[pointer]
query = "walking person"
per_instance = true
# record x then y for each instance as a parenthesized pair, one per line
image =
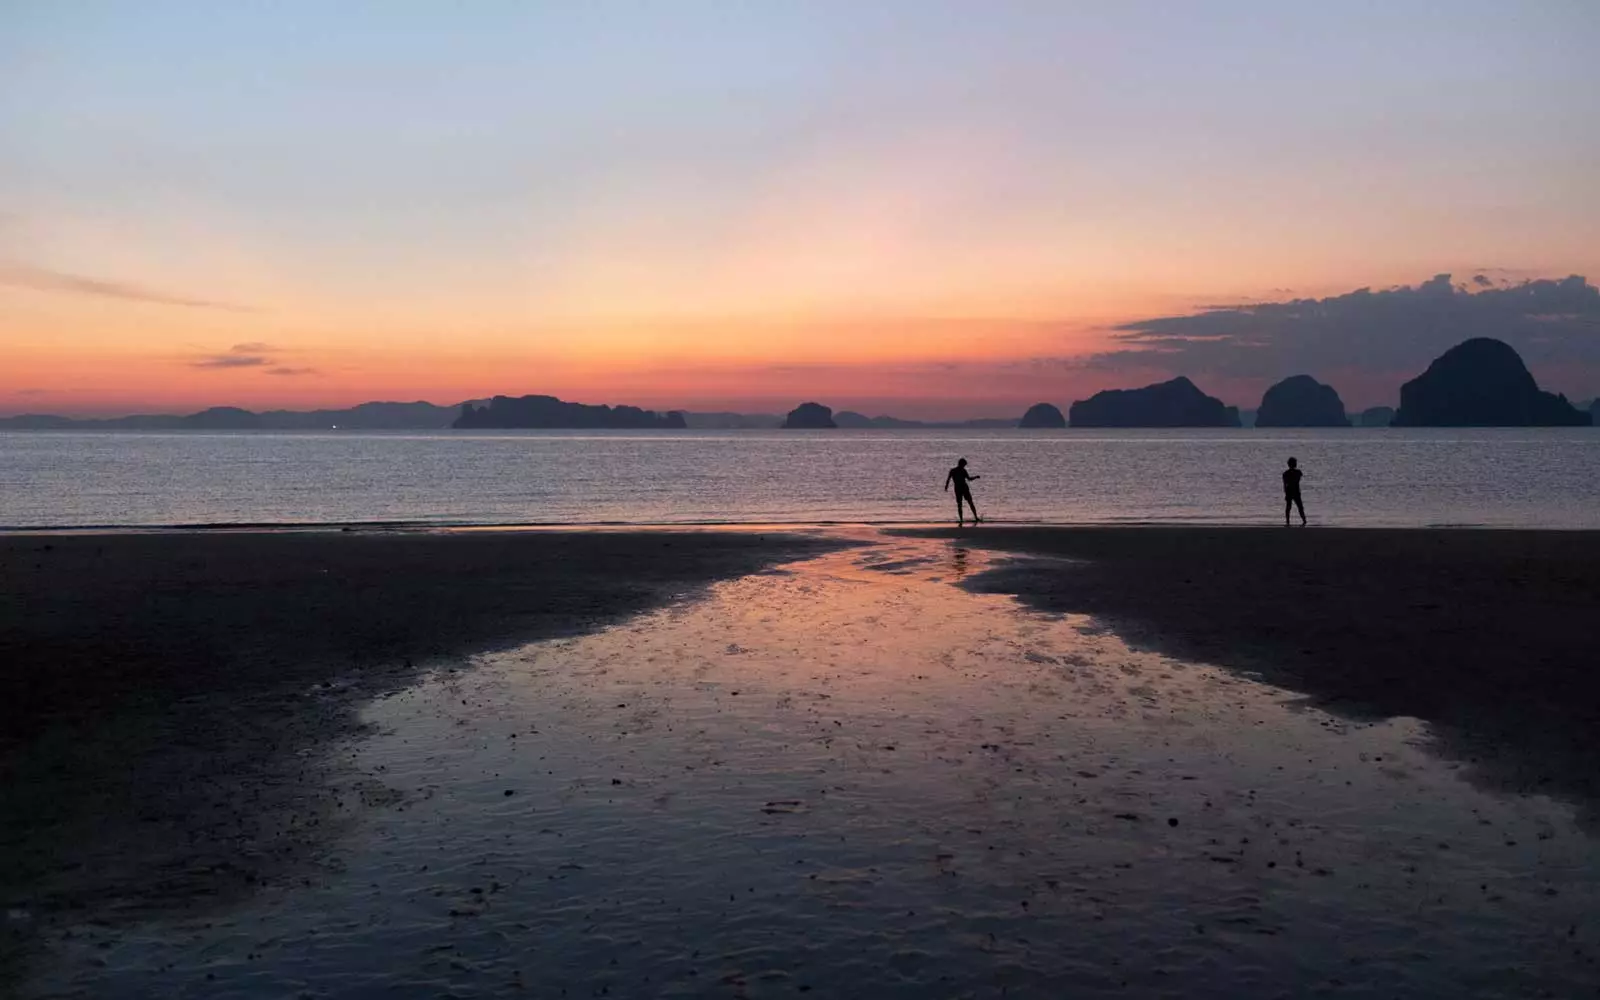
(1291, 493)
(960, 477)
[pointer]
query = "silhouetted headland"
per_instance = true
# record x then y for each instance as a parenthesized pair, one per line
(1043, 415)
(1482, 382)
(550, 413)
(810, 416)
(1175, 403)
(1301, 401)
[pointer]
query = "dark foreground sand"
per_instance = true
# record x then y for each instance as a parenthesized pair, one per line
(163, 696)
(1492, 637)
(166, 700)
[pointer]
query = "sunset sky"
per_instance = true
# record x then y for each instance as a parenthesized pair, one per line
(922, 208)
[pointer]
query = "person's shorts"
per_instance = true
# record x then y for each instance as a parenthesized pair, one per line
(1287, 496)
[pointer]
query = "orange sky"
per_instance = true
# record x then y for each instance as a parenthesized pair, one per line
(741, 210)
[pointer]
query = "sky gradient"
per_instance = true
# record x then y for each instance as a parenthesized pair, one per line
(929, 209)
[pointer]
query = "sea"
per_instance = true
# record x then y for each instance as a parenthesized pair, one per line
(1433, 477)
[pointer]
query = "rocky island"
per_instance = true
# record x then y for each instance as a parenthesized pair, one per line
(1042, 415)
(550, 413)
(1175, 403)
(810, 416)
(1301, 401)
(1482, 382)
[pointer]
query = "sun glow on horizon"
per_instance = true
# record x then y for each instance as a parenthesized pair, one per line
(912, 205)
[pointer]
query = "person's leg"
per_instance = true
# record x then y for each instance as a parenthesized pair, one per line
(970, 505)
(959, 517)
(1288, 505)
(1301, 506)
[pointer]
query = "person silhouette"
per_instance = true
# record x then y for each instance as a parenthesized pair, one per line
(1291, 492)
(961, 478)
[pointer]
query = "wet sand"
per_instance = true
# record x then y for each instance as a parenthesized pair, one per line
(1490, 636)
(165, 697)
(872, 772)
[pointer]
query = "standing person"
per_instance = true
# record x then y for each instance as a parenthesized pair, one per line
(1291, 492)
(959, 476)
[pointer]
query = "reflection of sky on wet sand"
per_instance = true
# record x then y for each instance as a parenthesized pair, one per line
(854, 779)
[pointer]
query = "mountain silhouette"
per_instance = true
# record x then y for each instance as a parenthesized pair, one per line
(1175, 403)
(1042, 415)
(550, 413)
(1301, 401)
(1482, 382)
(1376, 416)
(810, 416)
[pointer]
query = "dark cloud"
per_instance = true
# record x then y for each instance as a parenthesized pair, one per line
(252, 355)
(1394, 330)
(43, 279)
(291, 371)
(231, 361)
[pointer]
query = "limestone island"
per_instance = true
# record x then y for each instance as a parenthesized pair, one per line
(1482, 382)
(1042, 415)
(810, 416)
(1175, 403)
(550, 413)
(1301, 401)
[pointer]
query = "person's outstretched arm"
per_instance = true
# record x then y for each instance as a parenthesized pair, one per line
(974, 478)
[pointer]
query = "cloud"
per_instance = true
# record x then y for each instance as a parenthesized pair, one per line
(252, 355)
(1393, 330)
(43, 279)
(31, 392)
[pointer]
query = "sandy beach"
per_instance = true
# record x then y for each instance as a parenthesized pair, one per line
(1489, 636)
(1144, 761)
(166, 696)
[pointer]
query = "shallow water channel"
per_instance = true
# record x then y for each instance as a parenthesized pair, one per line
(853, 778)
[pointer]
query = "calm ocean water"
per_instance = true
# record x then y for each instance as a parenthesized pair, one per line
(1498, 477)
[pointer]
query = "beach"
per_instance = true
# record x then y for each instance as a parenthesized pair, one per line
(1142, 761)
(166, 695)
(1487, 635)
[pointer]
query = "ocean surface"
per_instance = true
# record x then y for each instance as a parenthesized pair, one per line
(1547, 478)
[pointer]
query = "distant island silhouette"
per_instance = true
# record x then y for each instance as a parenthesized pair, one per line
(1301, 401)
(850, 419)
(366, 416)
(1042, 415)
(1482, 382)
(550, 413)
(1175, 403)
(810, 416)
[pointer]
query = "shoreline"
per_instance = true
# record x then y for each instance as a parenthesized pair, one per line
(585, 527)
